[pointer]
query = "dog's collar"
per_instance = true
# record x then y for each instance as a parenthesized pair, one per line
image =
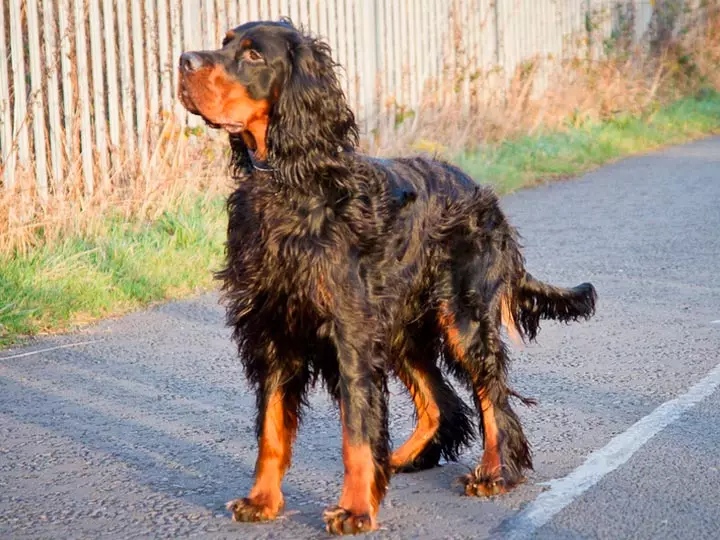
(258, 164)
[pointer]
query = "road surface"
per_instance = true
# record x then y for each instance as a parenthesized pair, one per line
(143, 427)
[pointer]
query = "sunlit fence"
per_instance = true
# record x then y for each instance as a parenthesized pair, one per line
(87, 87)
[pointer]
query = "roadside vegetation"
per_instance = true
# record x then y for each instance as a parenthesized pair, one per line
(157, 233)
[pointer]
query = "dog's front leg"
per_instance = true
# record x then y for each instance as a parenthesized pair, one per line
(363, 411)
(279, 399)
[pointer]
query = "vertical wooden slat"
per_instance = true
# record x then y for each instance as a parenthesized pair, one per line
(244, 12)
(98, 86)
(332, 16)
(125, 75)
(177, 49)
(350, 64)
(66, 75)
(397, 54)
(232, 14)
(370, 67)
(380, 50)
(193, 40)
(432, 41)
(341, 43)
(165, 63)
(141, 121)
(113, 93)
(38, 103)
(285, 8)
(304, 16)
(295, 12)
(471, 31)
(313, 16)
(322, 19)
(264, 10)
(253, 13)
(274, 10)
(83, 82)
(150, 46)
(360, 56)
(7, 153)
(417, 48)
(19, 89)
(209, 24)
(389, 52)
(464, 14)
(221, 23)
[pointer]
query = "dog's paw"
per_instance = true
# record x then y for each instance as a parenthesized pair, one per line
(479, 484)
(338, 521)
(247, 510)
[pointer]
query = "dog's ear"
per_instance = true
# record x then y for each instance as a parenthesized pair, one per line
(311, 123)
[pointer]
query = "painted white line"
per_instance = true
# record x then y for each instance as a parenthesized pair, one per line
(565, 490)
(22, 355)
(715, 322)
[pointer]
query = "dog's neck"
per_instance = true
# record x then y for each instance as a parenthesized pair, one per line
(258, 164)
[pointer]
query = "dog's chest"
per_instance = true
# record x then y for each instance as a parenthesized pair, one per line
(284, 246)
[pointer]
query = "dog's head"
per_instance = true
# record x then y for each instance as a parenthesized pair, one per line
(274, 86)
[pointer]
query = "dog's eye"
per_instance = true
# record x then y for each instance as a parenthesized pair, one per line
(252, 56)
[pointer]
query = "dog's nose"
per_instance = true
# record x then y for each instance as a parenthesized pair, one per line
(190, 61)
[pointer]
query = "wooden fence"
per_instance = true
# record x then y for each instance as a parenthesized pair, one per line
(85, 85)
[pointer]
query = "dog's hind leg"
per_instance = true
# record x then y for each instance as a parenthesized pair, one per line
(475, 350)
(443, 419)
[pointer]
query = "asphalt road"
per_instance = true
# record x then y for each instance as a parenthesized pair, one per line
(147, 431)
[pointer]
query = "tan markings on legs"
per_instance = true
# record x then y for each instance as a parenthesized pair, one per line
(508, 320)
(428, 414)
(446, 319)
(491, 461)
(275, 447)
(358, 494)
(491, 464)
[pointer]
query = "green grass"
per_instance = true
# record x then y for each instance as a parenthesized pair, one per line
(528, 160)
(127, 267)
(132, 265)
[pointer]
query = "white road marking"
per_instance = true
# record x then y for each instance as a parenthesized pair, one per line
(21, 355)
(715, 322)
(565, 490)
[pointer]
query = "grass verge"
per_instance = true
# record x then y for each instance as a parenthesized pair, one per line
(531, 159)
(122, 268)
(126, 266)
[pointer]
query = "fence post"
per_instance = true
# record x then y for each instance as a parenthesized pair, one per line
(192, 32)
(7, 151)
(139, 75)
(18, 68)
(84, 97)
(38, 106)
(125, 75)
(369, 66)
(53, 98)
(112, 78)
(176, 28)
(152, 65)
(66, 74)
(98, 88)
(163, 53)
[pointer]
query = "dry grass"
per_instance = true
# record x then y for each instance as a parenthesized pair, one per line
(181, 168)
(625, 80)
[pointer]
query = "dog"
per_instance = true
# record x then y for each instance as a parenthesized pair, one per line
(347, 269)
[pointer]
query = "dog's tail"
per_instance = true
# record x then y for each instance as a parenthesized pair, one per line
(523, 306)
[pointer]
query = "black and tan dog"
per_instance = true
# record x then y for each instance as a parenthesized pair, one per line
(348, 269)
